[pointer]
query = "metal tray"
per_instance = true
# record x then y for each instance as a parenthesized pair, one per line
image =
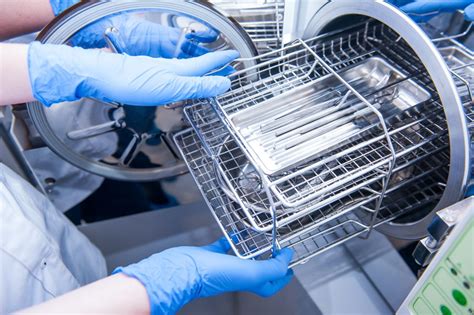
(460, 62)
(306, 122)
(455, 56)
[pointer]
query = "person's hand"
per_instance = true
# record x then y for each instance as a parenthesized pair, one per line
(140, 37)
(61, 73)
(423, 10)
(59, 6)
(179, 275)
(134, 35)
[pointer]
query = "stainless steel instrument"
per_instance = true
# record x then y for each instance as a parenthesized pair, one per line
(354, 128)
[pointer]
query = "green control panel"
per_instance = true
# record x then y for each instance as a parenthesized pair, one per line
(449, 289)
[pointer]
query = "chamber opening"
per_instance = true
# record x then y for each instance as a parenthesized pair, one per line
(326, 139)
(422, 140)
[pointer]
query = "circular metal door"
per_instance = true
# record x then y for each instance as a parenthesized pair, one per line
(115, 140)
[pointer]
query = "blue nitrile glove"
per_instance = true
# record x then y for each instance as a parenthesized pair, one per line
(61, 73)
(59, 6)
(142, 37)
(179, 275)
(423, 10)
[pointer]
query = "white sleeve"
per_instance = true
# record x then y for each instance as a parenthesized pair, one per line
(42, 253)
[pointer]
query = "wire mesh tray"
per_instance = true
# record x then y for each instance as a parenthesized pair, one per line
(262, 20)
(369, 150)
(412, 134)
(305, 236)
(245, 241)
(306, 122)
(249, 212)
(240, 182)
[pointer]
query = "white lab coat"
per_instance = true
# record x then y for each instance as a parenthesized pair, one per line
(42, 254)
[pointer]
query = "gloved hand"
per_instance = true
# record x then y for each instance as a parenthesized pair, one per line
(137, 36)
(61, 73)
(59, 6)
(141, 37)
(179, 275)
(423, 10)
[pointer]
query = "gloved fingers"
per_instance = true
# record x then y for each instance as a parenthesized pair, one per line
(221, 246)
(201, 65)
(469, 13)
(199, 87)
(224, 72)
(428, 6)
(272, 287)
(191, 49)
(399, 3)
(204, 36)
(59, 6)
(274, 268)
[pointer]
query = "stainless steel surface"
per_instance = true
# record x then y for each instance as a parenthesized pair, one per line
(444, 221)
(312, 180)
(394, 170)
(460, 62)
(138, 129)
(294, 126)
(460, 169)
(424, 252)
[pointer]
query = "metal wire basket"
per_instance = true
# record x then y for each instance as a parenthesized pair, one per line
(262, 20)
(394, 160)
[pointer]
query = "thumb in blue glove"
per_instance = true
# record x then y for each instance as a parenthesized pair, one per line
(179, 275)
(60, 73)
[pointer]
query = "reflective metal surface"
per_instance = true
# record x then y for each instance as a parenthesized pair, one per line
(395, 171)
(261, 19)
(115, 140)
(459, 170)
(310, 120)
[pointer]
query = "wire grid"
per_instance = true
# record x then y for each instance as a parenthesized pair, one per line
(463, 76)
(262, 20)
(416, 186)
(414, 140)
(462, 70)
(294, 69)
(230, 162)
(415, 135)
(415, 201)
(246, 242)
(306, 238)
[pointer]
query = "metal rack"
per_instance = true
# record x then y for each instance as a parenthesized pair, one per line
(305, 236)
(460, 60)
(396, 165)
(262, 20)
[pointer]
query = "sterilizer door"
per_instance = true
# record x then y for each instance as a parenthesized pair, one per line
(109, 139)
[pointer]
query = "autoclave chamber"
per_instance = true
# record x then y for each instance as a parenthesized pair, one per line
(361, 125)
